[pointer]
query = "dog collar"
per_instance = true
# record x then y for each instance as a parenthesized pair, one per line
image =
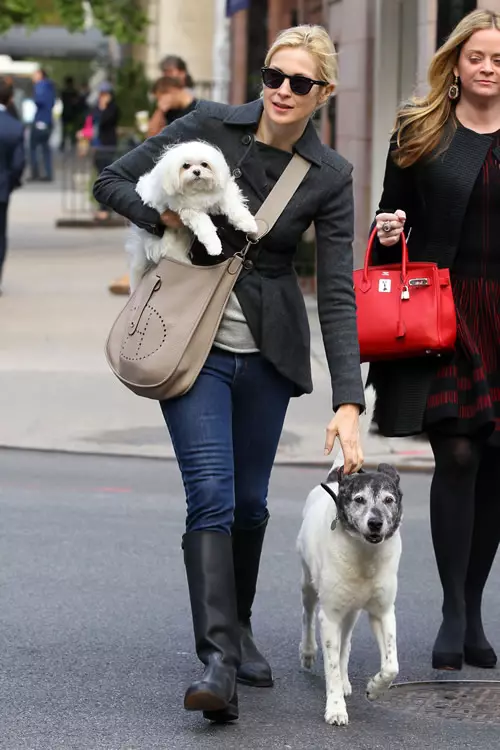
(327, 489)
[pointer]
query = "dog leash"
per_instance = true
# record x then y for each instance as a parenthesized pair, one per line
(333, 496)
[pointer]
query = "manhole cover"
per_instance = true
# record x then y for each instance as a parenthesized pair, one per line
(462, 700)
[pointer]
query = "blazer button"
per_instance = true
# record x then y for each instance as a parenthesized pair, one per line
(237, 173)
(246, 140)
(248, 264)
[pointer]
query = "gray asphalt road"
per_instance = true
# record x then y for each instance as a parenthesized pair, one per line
(96, 644)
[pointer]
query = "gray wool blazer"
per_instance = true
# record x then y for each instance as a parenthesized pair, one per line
(269, 293)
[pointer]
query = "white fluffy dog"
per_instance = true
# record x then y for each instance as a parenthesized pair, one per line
(193, 179)
(350, 547)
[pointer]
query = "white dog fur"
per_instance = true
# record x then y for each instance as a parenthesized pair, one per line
(193, 179)
(342, 574)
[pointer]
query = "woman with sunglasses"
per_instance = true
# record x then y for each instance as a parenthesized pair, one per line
(226, 429)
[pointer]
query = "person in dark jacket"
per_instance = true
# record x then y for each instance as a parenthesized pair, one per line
(226, 429)
(443, 181)
(72, 113)
(11, 162)
(41, 129)
(105, 117)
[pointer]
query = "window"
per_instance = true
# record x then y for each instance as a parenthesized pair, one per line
(450, 12)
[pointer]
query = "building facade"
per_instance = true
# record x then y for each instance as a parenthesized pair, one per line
(197, 31)
(384, 49)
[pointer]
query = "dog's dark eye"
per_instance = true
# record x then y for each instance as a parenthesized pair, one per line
(388, 500)
(186, 166)
(204, 165)
(360, 500)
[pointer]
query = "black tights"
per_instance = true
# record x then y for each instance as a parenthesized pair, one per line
(465, 523)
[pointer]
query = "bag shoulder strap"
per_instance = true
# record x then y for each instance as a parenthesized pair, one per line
(281, 194)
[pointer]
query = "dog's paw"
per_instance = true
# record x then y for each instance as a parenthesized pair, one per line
(336, 714)
(307, 660)
(346, 687)
(308, 656)
(248, 225)
(375, 688)
(214, 247)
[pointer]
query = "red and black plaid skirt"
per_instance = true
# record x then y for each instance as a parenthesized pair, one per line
(464, 398)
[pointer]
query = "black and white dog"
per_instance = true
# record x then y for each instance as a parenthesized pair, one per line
(350, 547)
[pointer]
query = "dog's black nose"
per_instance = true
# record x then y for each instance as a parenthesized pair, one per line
(375, 524)
(196, 172)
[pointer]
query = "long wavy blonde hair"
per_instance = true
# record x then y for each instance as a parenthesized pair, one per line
(420, 122)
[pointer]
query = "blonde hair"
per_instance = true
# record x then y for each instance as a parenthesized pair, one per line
(316, 41)
(420, 122)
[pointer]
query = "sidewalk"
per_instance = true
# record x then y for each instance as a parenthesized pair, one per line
(56, 391)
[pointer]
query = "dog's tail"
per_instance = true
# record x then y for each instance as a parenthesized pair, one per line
(365, 421)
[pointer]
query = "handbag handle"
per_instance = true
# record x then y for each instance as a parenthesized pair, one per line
(281, 194)
(369, 250)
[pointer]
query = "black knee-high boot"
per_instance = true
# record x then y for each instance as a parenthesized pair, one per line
(485, 539)
(208, 558)
(254, 669)
(452, 519)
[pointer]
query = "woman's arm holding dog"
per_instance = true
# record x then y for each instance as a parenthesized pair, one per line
(115, 186)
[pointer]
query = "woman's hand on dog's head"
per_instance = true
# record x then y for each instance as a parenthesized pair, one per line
(171, 219)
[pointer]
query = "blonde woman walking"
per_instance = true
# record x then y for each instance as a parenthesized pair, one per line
(442, 181)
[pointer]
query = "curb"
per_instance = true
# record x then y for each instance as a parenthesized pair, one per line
(401, 467)
(89, 224)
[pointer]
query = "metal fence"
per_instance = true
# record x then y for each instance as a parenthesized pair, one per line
(79, 170)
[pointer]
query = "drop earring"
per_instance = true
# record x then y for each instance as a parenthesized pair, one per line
(454, 90)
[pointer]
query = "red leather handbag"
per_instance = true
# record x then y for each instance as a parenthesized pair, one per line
(404, 309)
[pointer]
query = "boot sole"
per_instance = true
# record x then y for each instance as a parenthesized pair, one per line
(204, 700)
(448, 662)
(222, 717)
(255, 683)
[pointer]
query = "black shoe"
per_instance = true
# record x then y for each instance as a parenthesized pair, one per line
(254, 669)
(208, 561)
(480, 657)
(225, 715)
(451, 662)
(447, 653)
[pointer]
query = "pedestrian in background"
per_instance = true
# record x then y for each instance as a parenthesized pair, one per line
(176, 67)
(11, 162)
(71, 116)
(226, 428)
(105, 118)
(173, 100)
(442, 181)
(44, 96)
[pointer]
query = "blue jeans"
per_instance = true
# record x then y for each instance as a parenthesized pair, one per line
(225, 432)
(39, 140)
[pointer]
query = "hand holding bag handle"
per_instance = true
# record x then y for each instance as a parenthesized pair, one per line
(369, 253)
(158, 343)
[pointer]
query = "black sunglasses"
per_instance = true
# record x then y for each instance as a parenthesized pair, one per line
(300, 85)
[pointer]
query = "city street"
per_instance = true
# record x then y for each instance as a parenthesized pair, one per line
(97, 646)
